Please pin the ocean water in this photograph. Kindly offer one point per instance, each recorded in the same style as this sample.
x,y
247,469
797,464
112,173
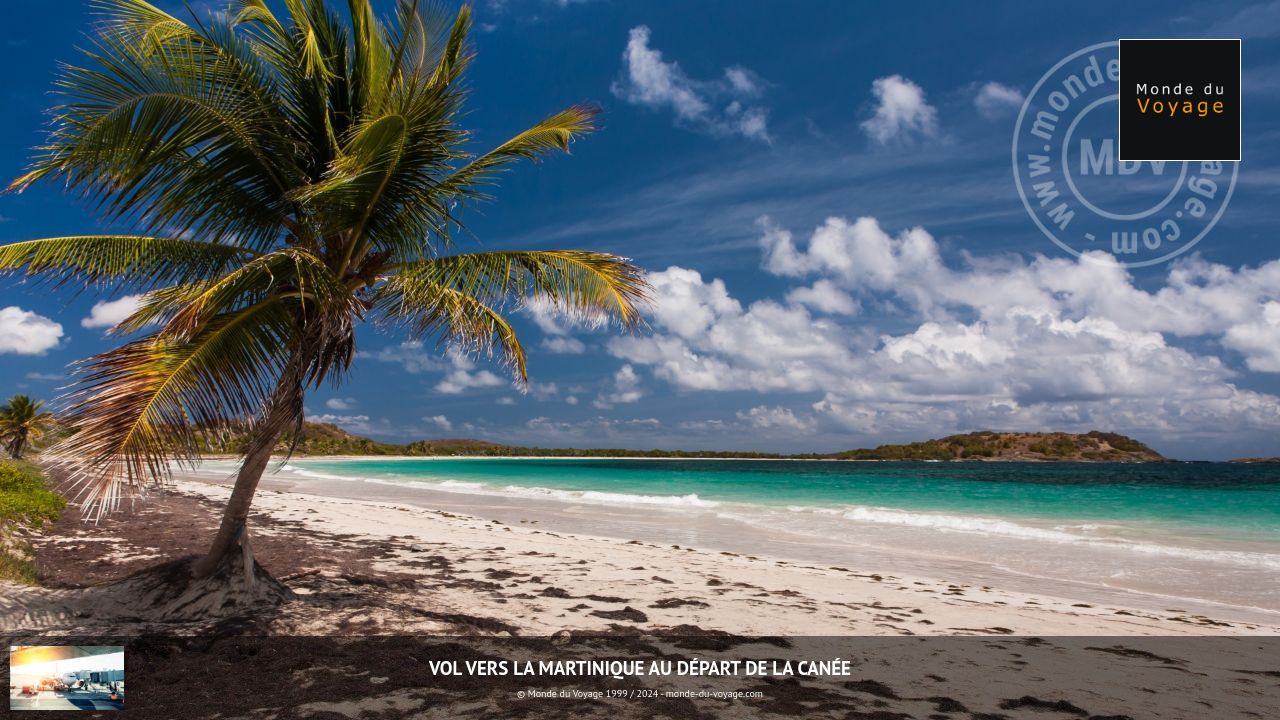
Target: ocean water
x,y
1187,530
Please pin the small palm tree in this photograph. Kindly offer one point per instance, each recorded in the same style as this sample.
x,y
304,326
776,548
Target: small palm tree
x,y
285,179
21,423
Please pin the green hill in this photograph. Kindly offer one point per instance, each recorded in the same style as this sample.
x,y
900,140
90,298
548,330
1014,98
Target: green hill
x,y
327,439
988,445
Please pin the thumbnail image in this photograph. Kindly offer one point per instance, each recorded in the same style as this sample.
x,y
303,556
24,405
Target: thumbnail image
x,y
66,677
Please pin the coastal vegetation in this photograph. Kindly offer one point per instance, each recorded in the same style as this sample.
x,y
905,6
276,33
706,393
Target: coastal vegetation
x,y
1090,446
279,180
1096,446
26,505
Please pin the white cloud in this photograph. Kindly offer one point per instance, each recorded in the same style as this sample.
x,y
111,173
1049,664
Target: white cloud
x,y
742,80
1258,339
564,346
460,372
901,111
595,431
464,376
707,341
626,389
995,101
440,421
47,377
361,424
506,400
544,391
556,323
25,333
824,296
411,355
110,313
718,107
340,403
352,423
997,342
775,418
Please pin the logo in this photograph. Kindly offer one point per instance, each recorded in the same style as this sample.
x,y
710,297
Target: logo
x,y
1180,100
1082,196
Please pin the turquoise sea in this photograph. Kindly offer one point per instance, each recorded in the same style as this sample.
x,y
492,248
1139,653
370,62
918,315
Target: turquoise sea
x,y
1210,499
1202,530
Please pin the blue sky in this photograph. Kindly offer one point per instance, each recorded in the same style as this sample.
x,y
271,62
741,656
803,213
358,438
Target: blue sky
x,y
822,193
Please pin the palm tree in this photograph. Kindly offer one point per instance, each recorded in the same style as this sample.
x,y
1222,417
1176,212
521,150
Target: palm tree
x,y
283,181
22,422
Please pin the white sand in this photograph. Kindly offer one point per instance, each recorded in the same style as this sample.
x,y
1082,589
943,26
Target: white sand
x,y
513,565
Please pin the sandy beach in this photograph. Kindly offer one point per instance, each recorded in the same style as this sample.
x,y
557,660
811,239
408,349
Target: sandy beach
x,y
526,576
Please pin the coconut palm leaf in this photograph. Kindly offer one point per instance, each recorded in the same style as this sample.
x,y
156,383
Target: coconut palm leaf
x,y
578,283
554,133
141,406
459,298
127,262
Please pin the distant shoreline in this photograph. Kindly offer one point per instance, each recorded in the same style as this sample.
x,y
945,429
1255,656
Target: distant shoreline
x,y
1031,461
328,440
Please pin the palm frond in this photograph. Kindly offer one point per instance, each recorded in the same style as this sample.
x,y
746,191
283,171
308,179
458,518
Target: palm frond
x,y
143,405
555,133
371,58
125,261
460,297
455,57
455,319
289,272
582,284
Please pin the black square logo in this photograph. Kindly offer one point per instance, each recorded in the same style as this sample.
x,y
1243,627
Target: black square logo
x,y
1179,100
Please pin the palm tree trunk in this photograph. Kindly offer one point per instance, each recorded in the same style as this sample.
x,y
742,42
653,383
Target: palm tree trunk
x,y
19,444
281,412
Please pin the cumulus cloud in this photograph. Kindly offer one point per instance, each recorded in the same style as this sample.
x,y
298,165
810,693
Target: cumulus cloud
x,y
352,423
544,391
23,332
464,376
110,313
994,342
1258,339
361,424
597,430
824,296
556,324
995,101
901,111
340,403
720,107
412,355
706,340
764,417
460,371
564,346
626,389
439,421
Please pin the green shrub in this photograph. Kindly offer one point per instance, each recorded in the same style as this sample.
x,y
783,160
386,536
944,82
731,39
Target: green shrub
x,y
25,501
